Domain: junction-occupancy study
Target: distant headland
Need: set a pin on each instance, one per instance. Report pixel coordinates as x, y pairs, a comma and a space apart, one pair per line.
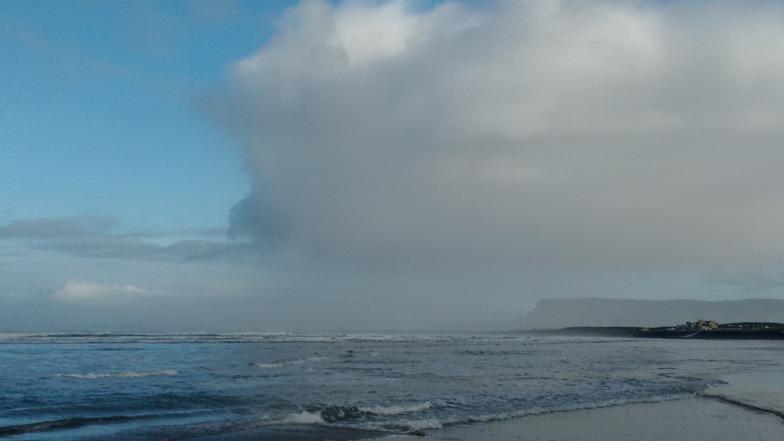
650, 318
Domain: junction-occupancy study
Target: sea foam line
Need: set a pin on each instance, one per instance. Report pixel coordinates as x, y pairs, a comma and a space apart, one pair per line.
123, 374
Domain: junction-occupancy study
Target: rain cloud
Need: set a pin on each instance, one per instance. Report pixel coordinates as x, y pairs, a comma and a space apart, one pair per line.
551, 133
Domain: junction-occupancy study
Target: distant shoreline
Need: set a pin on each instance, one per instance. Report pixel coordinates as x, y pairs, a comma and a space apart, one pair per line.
665, 333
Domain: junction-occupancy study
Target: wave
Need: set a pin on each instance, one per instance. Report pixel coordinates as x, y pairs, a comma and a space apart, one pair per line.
123, 374
294, 362
69, 423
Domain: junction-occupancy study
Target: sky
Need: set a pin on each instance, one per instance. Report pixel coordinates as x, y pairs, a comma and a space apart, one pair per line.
382, 165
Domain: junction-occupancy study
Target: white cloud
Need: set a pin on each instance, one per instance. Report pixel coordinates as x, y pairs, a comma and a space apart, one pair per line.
79, 291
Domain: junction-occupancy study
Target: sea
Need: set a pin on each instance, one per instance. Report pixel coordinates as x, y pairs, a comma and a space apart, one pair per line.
97, 386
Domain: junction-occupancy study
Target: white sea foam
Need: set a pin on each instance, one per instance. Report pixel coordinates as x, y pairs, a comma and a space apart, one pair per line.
304, 417
123, 374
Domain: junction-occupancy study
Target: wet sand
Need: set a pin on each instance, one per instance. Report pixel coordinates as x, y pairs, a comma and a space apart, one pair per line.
682, 420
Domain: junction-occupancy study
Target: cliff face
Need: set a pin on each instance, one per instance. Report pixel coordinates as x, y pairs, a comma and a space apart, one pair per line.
559, 313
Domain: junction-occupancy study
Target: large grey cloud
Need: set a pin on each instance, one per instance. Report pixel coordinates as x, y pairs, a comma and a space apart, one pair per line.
558, 133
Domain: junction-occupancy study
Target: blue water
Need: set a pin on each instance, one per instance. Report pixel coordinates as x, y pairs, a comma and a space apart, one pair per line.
151, 387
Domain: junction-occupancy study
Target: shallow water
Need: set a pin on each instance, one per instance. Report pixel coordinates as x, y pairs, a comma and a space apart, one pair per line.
134, 386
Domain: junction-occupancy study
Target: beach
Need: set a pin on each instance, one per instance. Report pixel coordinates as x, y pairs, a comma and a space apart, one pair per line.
690, 419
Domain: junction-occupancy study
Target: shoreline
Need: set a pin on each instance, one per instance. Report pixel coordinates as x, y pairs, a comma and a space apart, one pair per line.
658, 333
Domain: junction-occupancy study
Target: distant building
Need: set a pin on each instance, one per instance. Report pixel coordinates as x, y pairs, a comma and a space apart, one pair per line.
702, 325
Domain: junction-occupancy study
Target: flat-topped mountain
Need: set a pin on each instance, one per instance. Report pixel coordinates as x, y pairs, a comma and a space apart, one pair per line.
560, 313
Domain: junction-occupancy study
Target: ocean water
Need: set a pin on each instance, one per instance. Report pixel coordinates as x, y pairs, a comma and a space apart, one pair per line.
186, 386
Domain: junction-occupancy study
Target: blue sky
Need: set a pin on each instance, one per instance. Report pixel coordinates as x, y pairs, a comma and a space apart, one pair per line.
401, 164
103, 101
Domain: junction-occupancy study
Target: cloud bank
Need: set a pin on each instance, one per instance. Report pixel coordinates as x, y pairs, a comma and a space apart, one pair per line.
558, 133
